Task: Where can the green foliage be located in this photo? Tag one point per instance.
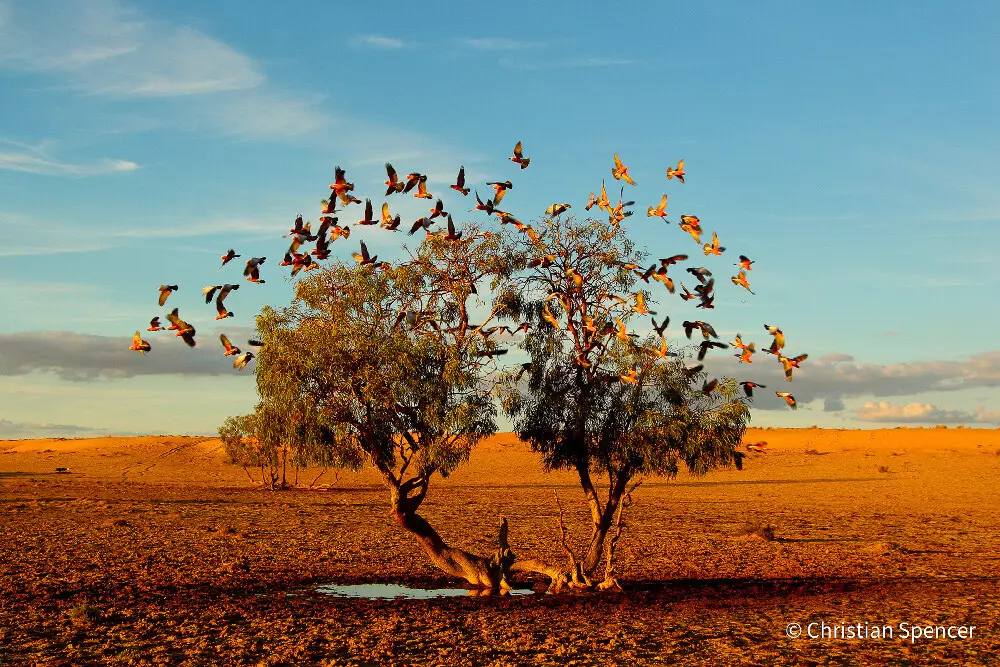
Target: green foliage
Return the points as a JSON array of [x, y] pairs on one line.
[[574, 409], [380, 365]]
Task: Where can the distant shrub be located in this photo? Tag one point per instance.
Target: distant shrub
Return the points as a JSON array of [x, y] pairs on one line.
[[883, 468], [760, 528], [84, 613], [813, 452]]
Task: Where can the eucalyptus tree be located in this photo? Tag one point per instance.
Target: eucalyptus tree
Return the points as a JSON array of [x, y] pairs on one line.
[[383, 365], [599, 400]]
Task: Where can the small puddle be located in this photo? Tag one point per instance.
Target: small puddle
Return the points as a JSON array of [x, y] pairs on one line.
[[395, 592]]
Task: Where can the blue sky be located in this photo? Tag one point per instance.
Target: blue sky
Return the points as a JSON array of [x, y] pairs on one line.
[[849, 148]]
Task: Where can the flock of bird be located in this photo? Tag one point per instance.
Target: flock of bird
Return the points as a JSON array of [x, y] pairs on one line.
[[330, 229], [187, 332]]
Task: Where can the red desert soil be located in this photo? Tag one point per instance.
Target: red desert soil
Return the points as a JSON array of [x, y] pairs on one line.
[[154, 550]]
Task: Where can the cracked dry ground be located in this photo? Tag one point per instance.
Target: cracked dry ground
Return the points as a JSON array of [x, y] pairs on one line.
[[155, 551]]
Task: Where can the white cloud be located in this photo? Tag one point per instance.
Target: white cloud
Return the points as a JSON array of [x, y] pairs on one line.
[[99, 48], [104, 49], [925, 413], [378, 42]]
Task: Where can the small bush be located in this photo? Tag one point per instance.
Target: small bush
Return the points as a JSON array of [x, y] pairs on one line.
[[760, 528], [813, 452], [883, 468], [84, 613]]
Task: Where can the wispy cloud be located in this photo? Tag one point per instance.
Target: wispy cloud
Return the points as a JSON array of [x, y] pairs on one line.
[[566, 63], [105, 49], [497, 44], [100, 48], [923, 413], [378, 42], [34, 163]]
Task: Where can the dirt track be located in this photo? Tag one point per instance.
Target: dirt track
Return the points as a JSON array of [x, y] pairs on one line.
[[153, 550]]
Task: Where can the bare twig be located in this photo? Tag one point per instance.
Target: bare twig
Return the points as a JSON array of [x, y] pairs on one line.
[[325, 470], [563, 535]]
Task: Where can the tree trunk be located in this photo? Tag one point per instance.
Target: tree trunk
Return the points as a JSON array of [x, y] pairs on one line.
[[474, 569], [603, 517]]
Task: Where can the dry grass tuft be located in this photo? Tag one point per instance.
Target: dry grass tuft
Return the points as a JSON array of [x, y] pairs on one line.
[[763, 529]]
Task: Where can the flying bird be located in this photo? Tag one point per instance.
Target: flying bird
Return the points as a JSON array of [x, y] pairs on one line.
[[183, 329], [620, 171], [640, 305], [209, 291], [660, 328], [788, 364], [741, 280], [387, 220], [230, 349], [139, 345], [252, 270], [241, 361], [632, 377], [660, 210], [412, 180], [701, 273], [692, 225], [673, 259], [393, 184], [662, 351], [691, 371], [421, 222], [489, 354], [165, 292], [438, 210], [363, 258], [745, 263], [228, 256], [556, 209], [421, 192], [480, 206], [459, 185], [788, 399], [706, 345], [341, 187], [707, 330], [713, 247], [749, 386], [154, 324], [369, 218], [677, 173], [779, 337], [452, 235], [519, 157], [223, 293]]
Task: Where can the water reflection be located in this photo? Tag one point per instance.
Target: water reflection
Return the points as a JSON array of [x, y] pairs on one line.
[[395, 591]]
